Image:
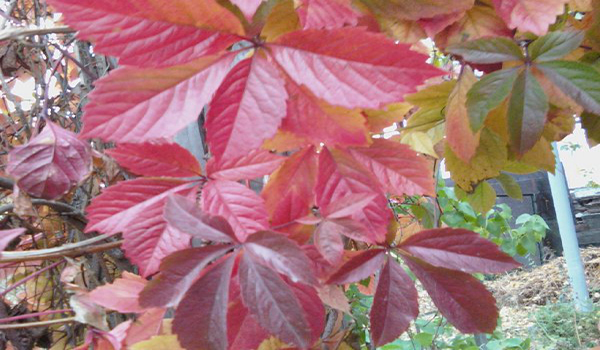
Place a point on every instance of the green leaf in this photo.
(591, 124)
(510, 185)
(527, 109)
(487, 94)
(488, 50)
(554, 45)
(483, 198)
(577, 80)
(425, 339)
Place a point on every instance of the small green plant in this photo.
(559, 326)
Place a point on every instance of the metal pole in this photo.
(568, 236)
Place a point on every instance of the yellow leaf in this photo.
(487, 162)
(483, 197)
(580, 5)
(419, 142)
(378, 119)
(540, 156)
(283, 19)
(159, 342)
(517, 167)
(560, 124)
(432, 97)
(405, 31)
(496, 121)
(272, 343)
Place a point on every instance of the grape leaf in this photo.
(458, 249)
(460, 297)
(246, 109)
(398, 168)
(178, 272)
(50, 163)
(395, 304)
(144, 34)
(255, 164)
(529, 15)
(240, 206)
(273, 303)
(326, 14)
(359, 267)
(121, 295)
(185, 215)
(157, 103)
(156, 158)
(343, 67)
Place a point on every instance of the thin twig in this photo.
(30, 277)
(66, 250)
(35, 314)
(37, 324)
(16, 32)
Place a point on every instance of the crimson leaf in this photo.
(358, 267)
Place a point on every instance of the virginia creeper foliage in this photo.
(300, 92)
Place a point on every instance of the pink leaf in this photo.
(313, 308)
(145, 326)
(281, 254)
(122, 294)
(345, 66)
(248, 7)
(156, 158)
(243, 331)
(273, 303)
(397, 167)
(185, 215)
(460, 297)
(348, 205)
(339, 176)
(201, 317)
(7, 236)
(144, 34)
(395, 304)
(178, 272)
(529, 15)
(158, 102)
(247, 109)
(50, 163)
(135, 208)
(458, 249)
(334, 297)
(358, 267)
(329, 242)
(242, 208)
(255, 164)
(326, 14)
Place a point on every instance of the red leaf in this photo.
(157, 103)
(358, 267)
(145, 326)
(156, 158)
(529, 15)
(178, 272)
(289, 193)
(7, 236)
(434, 25)
(273, 303)
(50, 163)
(201, 318)
(255, 164)
(242, 208)
(281, 254)
(458, 249)
(460, 297)
(313, 308)
(248, 7)
(247, 108)
(326, 14)
(135, 207)
(317, 122)
(345, 66)
(320, 265)
(328, 241)
(121, 295)
(348, 205)
(339, 176)
(395, 304)
(243, 331)
(144, 34)
(185, 215)
(397, 167)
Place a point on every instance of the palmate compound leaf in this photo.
(184, 215)
(359, 267)
(414, 10)
(273, 303)
(246, 109)
(156, 158)
(251, 166)
(158, 102)
(326, 14)
(201, 317)
(147, 34)
(135, 208)
(529, 15)
(554, 45)
(460, 297)
(178, 272)
(243, 330)
(240, 206)
(281, 254)
(397, 167)
(341, 175)
(122, 294)
(488, 50)
(395, 304)
(458, 249)
(50, 163)
(345, 68)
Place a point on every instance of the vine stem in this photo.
(37, 324)
(30, 277)
(36, 314)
